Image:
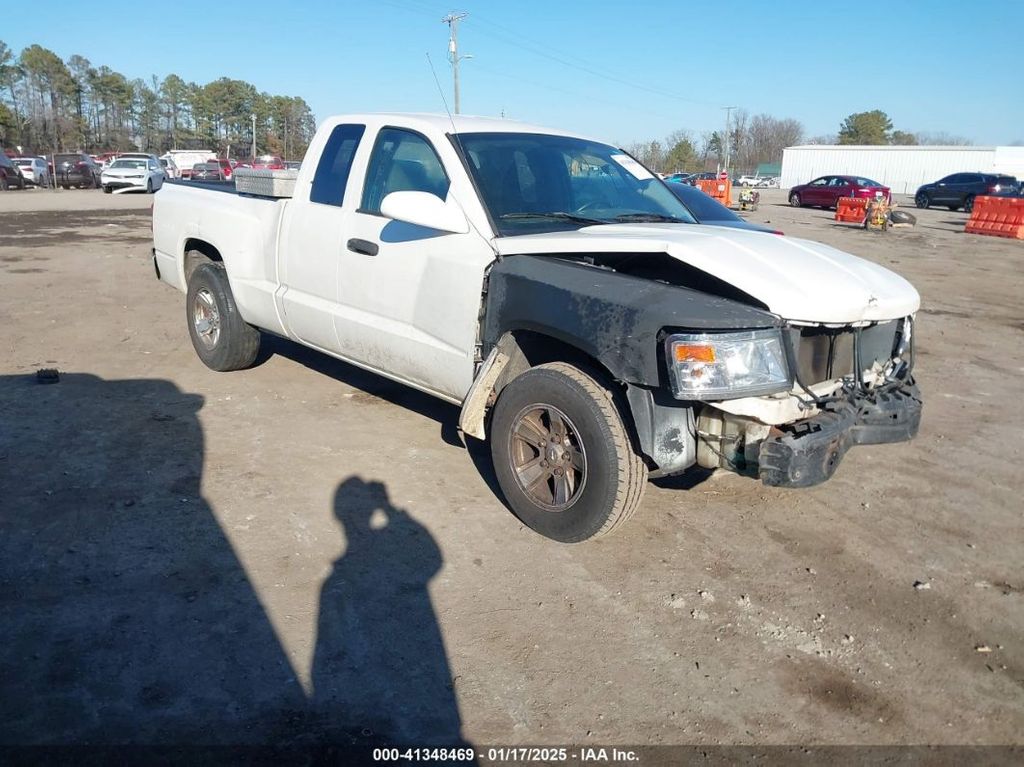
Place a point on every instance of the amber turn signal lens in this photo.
(694, 353)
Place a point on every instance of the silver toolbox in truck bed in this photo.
(266, 183)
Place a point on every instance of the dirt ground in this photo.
(304, 552)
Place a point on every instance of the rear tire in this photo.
(794, 200)
(221, 338)
(563, 456)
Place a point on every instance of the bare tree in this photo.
(710, 147)
(941, 138)
(680, 152)
(768, 136)
(739, 139)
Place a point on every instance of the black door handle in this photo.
(365, 247)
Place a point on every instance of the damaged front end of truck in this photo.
(711, 373)
(850, 385)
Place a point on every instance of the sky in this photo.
(618, 71)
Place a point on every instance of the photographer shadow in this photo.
(380, 662)
(127, 617)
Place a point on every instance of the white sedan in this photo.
(34, 170)
(133, 173)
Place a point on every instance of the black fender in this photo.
(615, 318)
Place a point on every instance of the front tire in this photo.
(149, 186)
(221, 338)
(794, 200)
(108, 190)
(923, 201)
(563, 456)
(969, 203)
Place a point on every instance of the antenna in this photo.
(440, 90)
(462, 152)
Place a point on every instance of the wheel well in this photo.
(530, 348)
(198, 251)
(527, 349)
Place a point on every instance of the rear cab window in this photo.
(335, 164)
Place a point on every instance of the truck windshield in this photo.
(533, 183)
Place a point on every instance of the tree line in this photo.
(751, 141)
(761, 139)
(875, 128)
(48, 104)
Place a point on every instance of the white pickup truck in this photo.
(557, 290)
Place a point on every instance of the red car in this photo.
(225, 167)
(826, 191)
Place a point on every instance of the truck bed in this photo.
(242, 228)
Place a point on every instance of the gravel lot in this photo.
(304, 552)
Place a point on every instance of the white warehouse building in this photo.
(901, 168)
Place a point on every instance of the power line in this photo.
(515, 39)
(568, 91)
(504, 36)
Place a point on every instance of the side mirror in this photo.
(425, 209)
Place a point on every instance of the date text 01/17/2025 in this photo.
(505, 754)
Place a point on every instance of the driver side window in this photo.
(402, 161)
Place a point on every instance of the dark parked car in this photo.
(959, 190)
(10, 174)
(826, 191)
(705, 176)
(76, 169)
(708, 210)
(209, 171)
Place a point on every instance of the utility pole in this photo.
(452, 20)
(253, 135)
(728, 113)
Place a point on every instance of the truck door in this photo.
(409, 296)
(311, 243)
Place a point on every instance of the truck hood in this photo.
(797, 279)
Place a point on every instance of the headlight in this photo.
(709, 366)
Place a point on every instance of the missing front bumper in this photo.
(808, 452)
